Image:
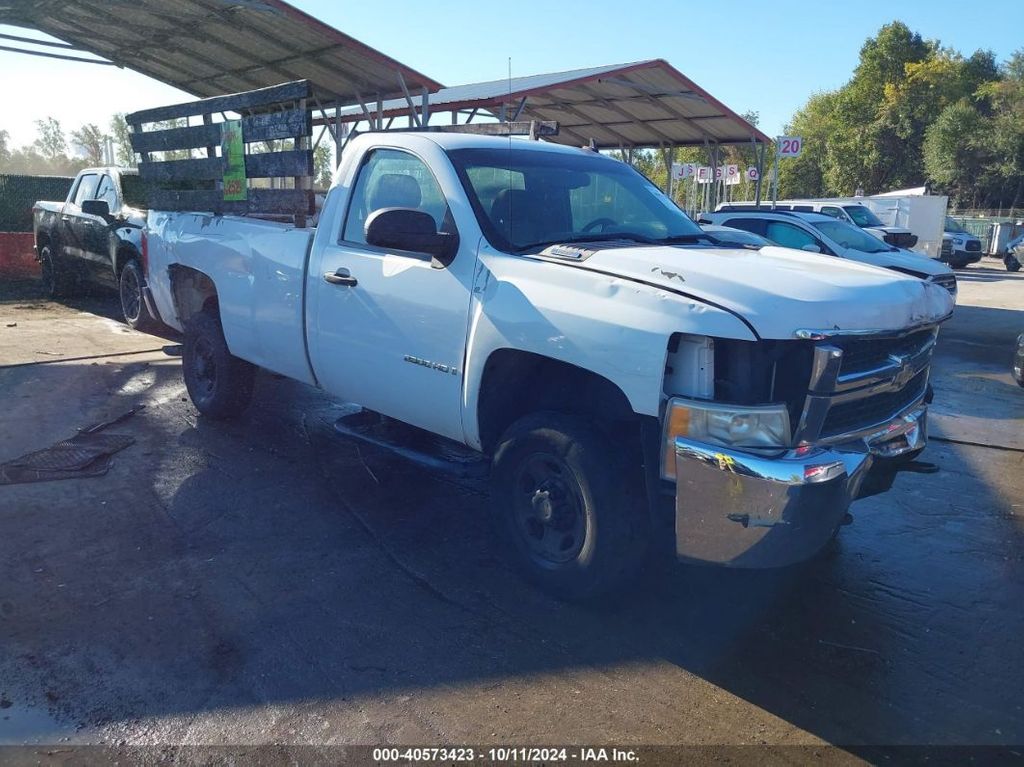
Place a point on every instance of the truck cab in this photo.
(623, 379)
(96, 237)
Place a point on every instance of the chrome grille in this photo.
(875, 410)
(948, 281)
(947, 248)
(861, 383)
(863, 354)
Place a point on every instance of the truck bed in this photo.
(258, 267)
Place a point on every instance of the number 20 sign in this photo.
(790, 146)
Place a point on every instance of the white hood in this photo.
(780, 291)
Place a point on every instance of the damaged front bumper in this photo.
(739, 509)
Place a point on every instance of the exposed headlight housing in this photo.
(737, 426)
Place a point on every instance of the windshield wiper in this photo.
(585, 238)
(681, 239)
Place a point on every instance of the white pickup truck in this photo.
(624, 378)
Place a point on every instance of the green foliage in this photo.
(51, 143)
(90, 140)
(912, 112)
(124, 155)
(323, 166)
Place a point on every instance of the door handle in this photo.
(341, 277)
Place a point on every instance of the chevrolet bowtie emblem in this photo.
(905, 373)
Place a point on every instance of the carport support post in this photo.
(775, 176)
(760, 173)
(713, 203)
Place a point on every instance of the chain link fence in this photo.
(19, 193)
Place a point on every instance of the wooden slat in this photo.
(263, 127)
(275, 94)
(264, 165)
(284, 201)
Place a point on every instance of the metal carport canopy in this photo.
(643, 104)
(217, 47)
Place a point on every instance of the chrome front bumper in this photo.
(743, 510)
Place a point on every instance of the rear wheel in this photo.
(569, 503)
(219, 384)
(57, 283)
(1011, 263)
(133, 305)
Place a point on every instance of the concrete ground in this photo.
(265, 582)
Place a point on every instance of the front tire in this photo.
(133, 305)
(219, 384)
(569, 500)
(1011, 263)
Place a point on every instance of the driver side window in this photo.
(390, 178)
(86, 188)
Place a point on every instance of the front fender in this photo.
(611, 326)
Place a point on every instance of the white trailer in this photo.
(913, 209)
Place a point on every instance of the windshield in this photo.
(527, 199)
(953, 226)
(862, 216)
(851, 237)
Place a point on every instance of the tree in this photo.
(957, 149)
(5, 150)
(51, 143)
(323, 166)
(124, 155)
(1006, 100)
(871, 132)
(91, 141)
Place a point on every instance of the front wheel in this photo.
(1011, 263)
(219, 384)
(569, 503)
(133, 305)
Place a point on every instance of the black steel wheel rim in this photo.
(549, 510)
(131, 295)
(204, 369)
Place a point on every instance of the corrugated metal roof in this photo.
(215, 47)
(645, 103)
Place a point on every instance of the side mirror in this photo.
(96, 208)
(412, 230)
(811, 248)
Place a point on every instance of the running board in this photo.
(437, 453)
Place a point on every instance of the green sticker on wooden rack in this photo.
(232, 148)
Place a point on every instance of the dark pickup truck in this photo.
(96, 236)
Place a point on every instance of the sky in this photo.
(765, 57)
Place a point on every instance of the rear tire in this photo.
(569, 499)
(219, 384)
(1011, 263)
(57, 283)
(133, 304)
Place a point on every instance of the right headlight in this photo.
(740, 426)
